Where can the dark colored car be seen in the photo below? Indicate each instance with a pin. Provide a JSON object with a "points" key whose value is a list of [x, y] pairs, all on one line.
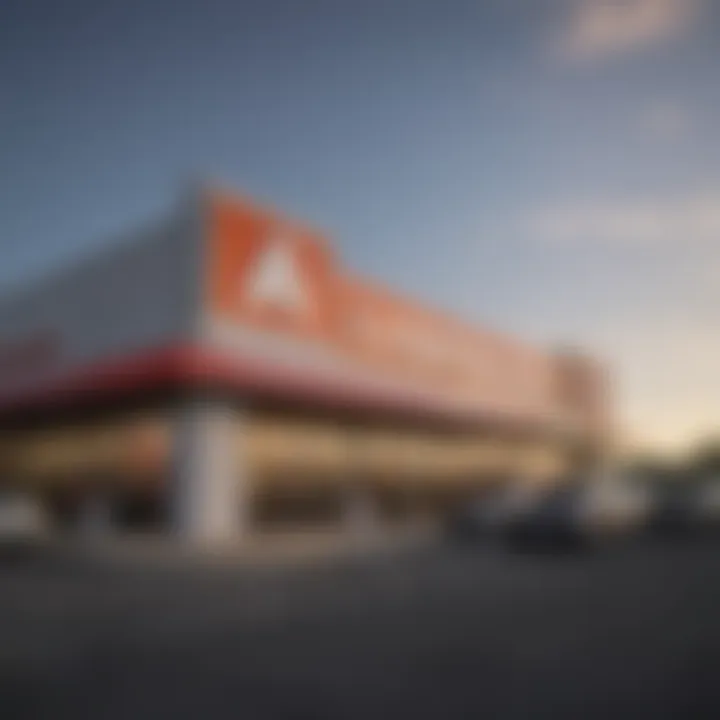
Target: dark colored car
{"points": [[488, 513], [709, 507], [554, 522], [673, 513], [685, 509]]}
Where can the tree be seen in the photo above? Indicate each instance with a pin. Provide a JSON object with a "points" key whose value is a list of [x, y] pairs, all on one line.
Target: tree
{"points": [[704, 460]]}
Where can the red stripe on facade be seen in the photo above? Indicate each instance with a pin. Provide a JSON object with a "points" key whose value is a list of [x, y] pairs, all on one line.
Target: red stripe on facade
{"points": [[191, 366]]}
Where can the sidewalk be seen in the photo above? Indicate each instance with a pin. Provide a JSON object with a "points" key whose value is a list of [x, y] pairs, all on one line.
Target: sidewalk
{"points": [[266, 549]]}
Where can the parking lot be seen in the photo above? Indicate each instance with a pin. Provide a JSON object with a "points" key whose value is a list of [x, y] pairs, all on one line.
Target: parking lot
{"points": [[432, 632]]}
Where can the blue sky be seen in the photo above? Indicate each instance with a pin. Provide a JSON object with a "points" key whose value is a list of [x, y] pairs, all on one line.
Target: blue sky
{"points": [[547, 166]]}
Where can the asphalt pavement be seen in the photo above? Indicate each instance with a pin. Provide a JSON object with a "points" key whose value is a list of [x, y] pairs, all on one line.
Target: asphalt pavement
{"points": [[432, 632]]}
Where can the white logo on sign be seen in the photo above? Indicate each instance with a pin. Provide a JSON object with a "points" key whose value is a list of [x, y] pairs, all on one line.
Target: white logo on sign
{"points": [[275, 280]]}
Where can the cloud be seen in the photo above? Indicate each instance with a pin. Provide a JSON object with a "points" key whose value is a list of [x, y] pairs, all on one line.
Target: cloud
{"points": [[650, 223], [600, 28]]}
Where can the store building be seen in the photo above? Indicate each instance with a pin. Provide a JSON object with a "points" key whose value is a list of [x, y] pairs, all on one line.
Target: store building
{"points": [[222, 369]]}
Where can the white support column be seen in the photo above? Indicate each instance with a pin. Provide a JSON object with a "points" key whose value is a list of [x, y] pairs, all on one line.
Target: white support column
{"points": [[360, 512], [359, 509], [206, 499]]}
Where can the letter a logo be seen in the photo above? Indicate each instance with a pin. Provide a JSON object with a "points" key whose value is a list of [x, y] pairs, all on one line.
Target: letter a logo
{"points": [[275, 279]]}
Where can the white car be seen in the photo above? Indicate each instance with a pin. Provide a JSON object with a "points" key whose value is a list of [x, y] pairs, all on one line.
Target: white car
{"points": [[21, 518], [614, 506]]}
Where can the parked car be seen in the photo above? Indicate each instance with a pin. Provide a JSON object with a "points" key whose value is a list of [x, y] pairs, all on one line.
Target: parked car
{"points": [[22, 520], [580, 514], [675, 511], [486, 515], [709, 507], [685, 509]]}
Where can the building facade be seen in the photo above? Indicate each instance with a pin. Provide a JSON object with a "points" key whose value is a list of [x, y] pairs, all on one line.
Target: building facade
{"points": [[222, 369]]}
